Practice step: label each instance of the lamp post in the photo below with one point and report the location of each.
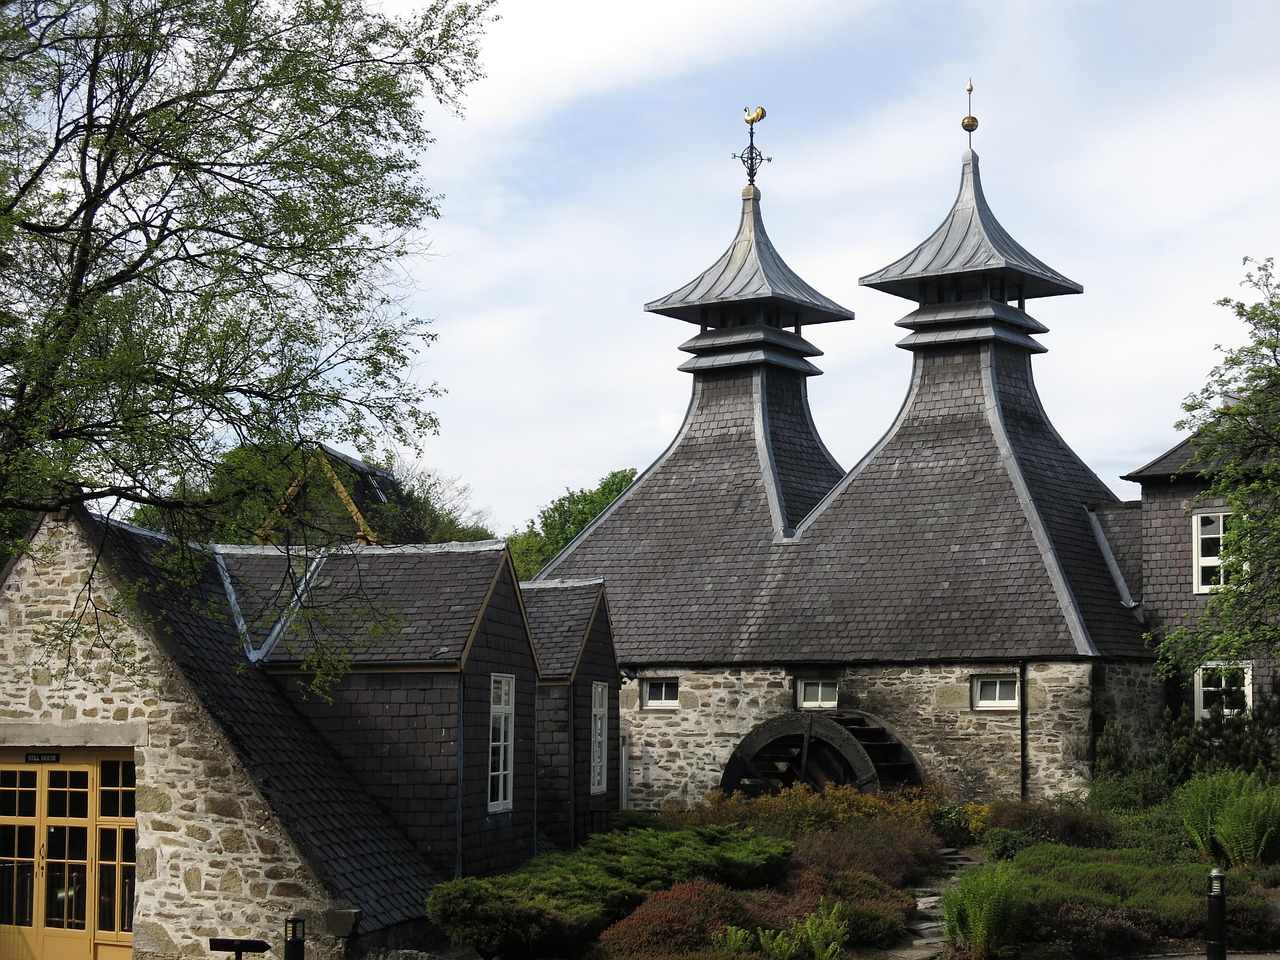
(1215, 940)
(295, 938)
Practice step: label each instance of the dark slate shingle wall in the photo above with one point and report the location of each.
(398, 734)
(498, 841)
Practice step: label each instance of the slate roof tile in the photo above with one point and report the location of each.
(356, 850)
(561, 613)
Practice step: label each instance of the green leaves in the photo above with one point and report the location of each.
(1236, 422)
(562, 520)
(201, 202)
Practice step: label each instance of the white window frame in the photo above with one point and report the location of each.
(987, 691)
(665, 697)
(599, 737)
(1207, 563)
(1210, 679)
(502, 740)
(817, 694)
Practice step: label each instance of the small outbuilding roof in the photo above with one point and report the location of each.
(561, 613)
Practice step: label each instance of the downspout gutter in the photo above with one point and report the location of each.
(461, 783)
(573, 768)
(1024, 763)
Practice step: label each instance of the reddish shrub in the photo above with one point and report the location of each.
(900, 854)
(876, 913)
(678, 921)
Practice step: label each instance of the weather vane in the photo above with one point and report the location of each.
(751, 157)
(970, 123)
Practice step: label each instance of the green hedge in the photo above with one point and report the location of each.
(560, 903)
(1135, 893)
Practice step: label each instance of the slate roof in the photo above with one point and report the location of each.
(1121, 528)
(1173, 464)
(749, 280)
(966, 533)
(407, 605)
(355, 849)
(560, 614)
(970, 241)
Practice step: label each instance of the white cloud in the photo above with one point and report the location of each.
(1124, 144)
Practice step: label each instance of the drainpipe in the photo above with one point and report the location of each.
(460, 786)
(573, 767)
(1024, 772)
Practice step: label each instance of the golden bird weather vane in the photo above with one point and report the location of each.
(751, 157)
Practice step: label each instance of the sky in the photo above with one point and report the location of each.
(1129, 145)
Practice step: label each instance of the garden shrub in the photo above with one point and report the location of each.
(561, 902)
(1157, 829)
(799, 809)
(1001, 843)
(1128, 886)
(1199, 801)
(1246, 830)
(1232, 806)
(874, 913)
(1091, 930)
(682, 920)
(652, 859)
(900, 854)
(1059, 822)
(497, 920)
(982, 912)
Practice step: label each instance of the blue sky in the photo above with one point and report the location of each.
(1130, 145)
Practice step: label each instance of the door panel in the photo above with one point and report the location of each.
(67, 855)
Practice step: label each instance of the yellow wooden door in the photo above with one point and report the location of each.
(66, 856)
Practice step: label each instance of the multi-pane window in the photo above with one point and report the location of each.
(1208, 530)
(995, 692)
(502, 725)
(599, 737)
(67, 854)
(816, 694)
(664, 693)
(17, 847)
(116, 845)
(1225, 685)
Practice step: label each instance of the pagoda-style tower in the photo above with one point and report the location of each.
(950, 609)
(967, 531)
(746, 466)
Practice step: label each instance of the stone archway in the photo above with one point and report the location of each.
(819, 749)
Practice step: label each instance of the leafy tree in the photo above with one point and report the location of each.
(289, 496)
(201, 202)
(563, 519)
(1236, 419)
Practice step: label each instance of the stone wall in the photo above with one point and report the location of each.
(676, 756)
(211, 860)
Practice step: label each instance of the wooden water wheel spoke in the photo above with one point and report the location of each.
(818, 749)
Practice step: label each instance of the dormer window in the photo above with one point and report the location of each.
(1208, 530)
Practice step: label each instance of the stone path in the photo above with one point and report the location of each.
(924, 929)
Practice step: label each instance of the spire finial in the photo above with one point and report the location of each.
(751, 157)
(970, 123)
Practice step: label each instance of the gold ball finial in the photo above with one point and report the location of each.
(969, 123)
